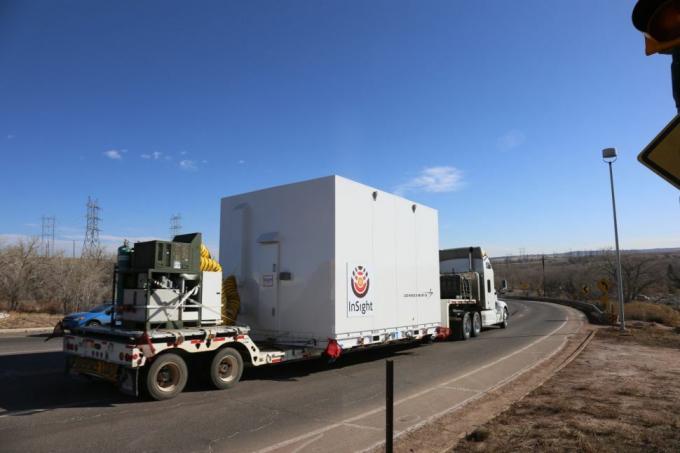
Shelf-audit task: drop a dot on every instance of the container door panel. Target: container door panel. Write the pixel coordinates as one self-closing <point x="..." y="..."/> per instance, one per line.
<point x="266" y="274"/>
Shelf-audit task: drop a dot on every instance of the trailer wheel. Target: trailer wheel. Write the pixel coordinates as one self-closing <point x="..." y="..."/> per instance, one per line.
<point x="504" y="323"/>
<point x="166" y="377"/>
<point x="226" y="368"/>
<point x="465" y="327"/>
<point x="476" y="324"/>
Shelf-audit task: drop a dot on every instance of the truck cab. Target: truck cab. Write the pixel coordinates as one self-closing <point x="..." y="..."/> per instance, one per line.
<point x="468" y="296"/>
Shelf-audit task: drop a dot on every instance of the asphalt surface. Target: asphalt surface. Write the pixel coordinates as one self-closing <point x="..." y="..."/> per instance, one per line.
<point x="305" y="406"/>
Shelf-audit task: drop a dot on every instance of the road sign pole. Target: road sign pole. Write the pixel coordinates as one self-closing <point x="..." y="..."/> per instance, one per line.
<point x="618" y="252"/>
<point x="389" y="405"/>
<point x="675" y="77"/>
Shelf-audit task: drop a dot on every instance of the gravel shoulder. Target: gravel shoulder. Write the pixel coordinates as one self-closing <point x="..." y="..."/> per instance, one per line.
<point x="621" y="394"/>
<point x="20" y="320"/>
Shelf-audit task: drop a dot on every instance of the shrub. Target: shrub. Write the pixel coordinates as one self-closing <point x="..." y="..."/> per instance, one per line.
<point x="646" y="311"/>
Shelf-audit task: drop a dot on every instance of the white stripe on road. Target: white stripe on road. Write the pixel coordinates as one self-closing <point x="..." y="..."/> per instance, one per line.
<point x="319" y="431"/>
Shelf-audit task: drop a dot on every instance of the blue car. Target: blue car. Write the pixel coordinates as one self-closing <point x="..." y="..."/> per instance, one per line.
<point x="98" y="316"/>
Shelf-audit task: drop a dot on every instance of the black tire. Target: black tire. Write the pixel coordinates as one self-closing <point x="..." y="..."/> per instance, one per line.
<point x="504" y="323"/>
<point x="93" y="323"/>
<point x="226" y="368"/>
<point x="476" y="324"/>
<point x="465" y="327"/>
<point x="166" y="377"/>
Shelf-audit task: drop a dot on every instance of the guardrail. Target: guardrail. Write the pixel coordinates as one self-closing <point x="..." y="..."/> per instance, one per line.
<point x="594" y="314"/>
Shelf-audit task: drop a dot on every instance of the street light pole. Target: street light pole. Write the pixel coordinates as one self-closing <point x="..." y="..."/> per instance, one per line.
<point x="609" y="156"/>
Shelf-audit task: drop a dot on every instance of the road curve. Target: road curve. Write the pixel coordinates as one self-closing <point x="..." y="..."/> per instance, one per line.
<point x="306" y="406"/>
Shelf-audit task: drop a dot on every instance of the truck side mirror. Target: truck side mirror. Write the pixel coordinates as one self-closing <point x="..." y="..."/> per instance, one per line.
<point x="504" y="285"/>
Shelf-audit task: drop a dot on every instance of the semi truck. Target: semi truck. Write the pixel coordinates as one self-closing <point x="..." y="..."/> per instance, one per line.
<point x="313" y="269"/>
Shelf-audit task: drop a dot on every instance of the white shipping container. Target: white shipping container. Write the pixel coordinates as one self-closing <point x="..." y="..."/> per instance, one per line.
<point x="331" y="258"/>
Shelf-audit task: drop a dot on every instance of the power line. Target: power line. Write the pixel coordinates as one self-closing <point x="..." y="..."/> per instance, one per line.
<point x="91" y="245"/>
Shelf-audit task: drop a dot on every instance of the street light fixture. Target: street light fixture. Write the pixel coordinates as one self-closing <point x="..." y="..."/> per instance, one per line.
<point x="609" y="156"/>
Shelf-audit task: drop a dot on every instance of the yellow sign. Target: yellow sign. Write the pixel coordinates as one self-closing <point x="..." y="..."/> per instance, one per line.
<point x="662" y="155"/>
<point x="603" y="284"/>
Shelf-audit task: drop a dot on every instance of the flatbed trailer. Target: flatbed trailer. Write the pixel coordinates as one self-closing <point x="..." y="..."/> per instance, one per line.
<point x="158" y="362"/>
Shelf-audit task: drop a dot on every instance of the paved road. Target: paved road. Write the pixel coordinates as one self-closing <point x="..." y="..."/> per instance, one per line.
<point x="307" y="406"/>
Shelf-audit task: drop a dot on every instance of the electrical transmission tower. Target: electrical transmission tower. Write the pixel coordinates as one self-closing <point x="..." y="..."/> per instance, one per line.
<point x="91" y="244"/>
<point x="47" y="235"/>
<point x="175" y="225"/>
<point x="522" y="254"/>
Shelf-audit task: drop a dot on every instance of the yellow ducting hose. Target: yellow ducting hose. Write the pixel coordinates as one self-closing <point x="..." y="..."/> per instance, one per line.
<point x="231" y="301"/>
<point x="207" y="262"/>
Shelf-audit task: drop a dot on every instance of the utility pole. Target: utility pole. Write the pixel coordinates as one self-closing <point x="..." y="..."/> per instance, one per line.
<point x="609" y="156"/>
<point x="543" y="264"/>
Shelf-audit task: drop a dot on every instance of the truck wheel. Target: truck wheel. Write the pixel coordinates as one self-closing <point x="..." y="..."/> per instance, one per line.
<point x="465" y="327"/>
<point x="504" y="323"/>
<point x="166" y="377"/>
<point x="226" y="368"/>
<point x="93" y="323"/>
<point x="476" y="324"/>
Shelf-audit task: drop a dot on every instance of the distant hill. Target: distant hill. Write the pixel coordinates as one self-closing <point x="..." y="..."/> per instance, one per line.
<point x="583" y="253"/>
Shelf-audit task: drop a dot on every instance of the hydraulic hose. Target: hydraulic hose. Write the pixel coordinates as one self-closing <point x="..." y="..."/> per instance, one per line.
<point x="231" y="301"/>
<point x="207" y="262"/>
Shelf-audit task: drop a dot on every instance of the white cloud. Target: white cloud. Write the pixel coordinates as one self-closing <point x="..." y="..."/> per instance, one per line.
<point x="10" y="136"/>
<point x="510" y="140"/>
<point x="113" y="154"/>
<point x="182" y="153"/>
<point x="433" y="179"/>
<point x="154" y="155"/>
<point x="187" y="164"/>
<point x="241" y="161"/>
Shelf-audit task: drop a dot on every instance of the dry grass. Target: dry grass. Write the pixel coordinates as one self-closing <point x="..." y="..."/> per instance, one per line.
<point x="645" y="311"/>
<point x="619" y="395"/>
<point x="20" y="320"/>
<point x="647" y="334"/>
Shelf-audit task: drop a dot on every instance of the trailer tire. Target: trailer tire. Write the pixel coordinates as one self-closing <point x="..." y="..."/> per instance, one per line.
<point x="465" y="327"/>
<point x="504" y="323"/>
<point x="476" y="324"/>
<point x="167" y="376"/>
<point x="226" y="368"/>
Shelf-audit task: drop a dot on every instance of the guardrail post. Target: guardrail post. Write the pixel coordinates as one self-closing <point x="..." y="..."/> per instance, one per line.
<point x="389" y="405"/>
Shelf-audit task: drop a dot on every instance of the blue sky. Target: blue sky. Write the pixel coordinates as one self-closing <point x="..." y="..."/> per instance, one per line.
<point x="493" y="112"/>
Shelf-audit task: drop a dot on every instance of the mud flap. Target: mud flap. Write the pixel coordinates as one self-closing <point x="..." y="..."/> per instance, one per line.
<point x="128" y="381"/>
<point x="57" y="332"/>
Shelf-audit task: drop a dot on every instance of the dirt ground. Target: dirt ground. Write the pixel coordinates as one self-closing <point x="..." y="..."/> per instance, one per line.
<point x="622" y="393"/>
<point x="18" y="320"/>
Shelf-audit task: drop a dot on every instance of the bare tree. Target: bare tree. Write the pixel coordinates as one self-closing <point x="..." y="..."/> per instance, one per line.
<point x="18" y="265"/>
<point x="56" y="283"/>
<point x="637" y="273"/>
